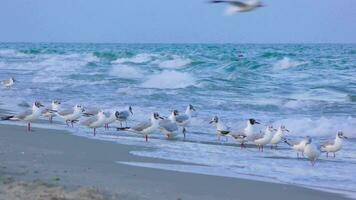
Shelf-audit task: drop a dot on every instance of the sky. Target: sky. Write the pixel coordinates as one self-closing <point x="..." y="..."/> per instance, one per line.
<point x="176" y="21"/>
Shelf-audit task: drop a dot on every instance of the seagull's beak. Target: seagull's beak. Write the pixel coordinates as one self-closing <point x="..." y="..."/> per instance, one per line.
<point x="286" y="130"/>
<point x="41" y="105"/>
<point x="345" y="137"/>
<point x="211" y="122"/>
<point x="256" y="122"/>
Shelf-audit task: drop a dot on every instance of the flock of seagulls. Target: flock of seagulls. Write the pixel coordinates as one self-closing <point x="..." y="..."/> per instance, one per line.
<point x="273" y="137"/>
<point x="175" y="124"/>
<point x="171" y="126"/>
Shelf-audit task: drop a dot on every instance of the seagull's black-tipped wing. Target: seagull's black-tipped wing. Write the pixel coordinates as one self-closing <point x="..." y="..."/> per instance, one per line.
<point x="235" y="3"/>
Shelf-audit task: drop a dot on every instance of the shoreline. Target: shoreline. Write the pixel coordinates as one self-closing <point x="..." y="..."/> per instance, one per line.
<point x="79" y="161"/>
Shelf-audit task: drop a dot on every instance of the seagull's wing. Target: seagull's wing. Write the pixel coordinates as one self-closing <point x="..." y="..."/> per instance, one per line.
<point x="92" y="111"/>
<point x="327" y="143"/>
<point x="182" y="118"/>
<point x="24" y="114"/>
<point x="256" y="137"/>
<point x="66" y="112"/>
<point x="234" y="3"/>
<point x="294" y="142"/>
<point x="89" y="121"/>
<point x="123" y="115"/>
<point x="141" y="126"/>
<point x="168" y="125"/>
<point x="47" y="110"/>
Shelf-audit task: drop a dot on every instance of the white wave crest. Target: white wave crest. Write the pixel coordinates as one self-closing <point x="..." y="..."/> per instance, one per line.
<point x="138" y="59"/>
<point x="169" y="80"/>
<point x="320" y="127"/>
<point x="127" y="72"/>
<point x="11" y="53"/>
<point x="287" y="63"/>
<point x="176" y="62"/>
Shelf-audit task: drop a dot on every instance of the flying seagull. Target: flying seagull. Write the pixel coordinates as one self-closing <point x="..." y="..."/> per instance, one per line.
<point x="239" y="6"/>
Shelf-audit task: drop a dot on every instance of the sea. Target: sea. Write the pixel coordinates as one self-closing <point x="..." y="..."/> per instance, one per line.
<point x="309" y="88"/>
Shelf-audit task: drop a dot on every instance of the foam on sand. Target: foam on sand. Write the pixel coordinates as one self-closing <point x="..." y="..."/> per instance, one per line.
<point x="169" y="80"/>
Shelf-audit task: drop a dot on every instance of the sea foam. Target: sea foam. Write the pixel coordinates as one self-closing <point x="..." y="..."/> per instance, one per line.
<point x="126" y="72"/>
<point x="287" y="63"/>
<point x="176" y="62"/>
<point x="169" y="80"/>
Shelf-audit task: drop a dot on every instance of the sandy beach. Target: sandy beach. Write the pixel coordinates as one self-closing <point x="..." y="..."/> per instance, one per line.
<point x="60" y="164"/>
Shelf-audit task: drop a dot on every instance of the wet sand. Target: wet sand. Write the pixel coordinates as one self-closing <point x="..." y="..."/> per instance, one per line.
<point x="58" y="163"/>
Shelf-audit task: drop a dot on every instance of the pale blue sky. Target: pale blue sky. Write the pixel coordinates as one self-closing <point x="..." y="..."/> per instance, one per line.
<point x="176" y="21"/>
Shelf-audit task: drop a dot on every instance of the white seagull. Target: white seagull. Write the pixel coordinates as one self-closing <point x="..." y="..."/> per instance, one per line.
<point x="311" y="151"/>
<point x="123" y="116"/>
<point x="298" y="146"/>
<point x="265" y="138"/>
<point x="250" y="131"/>
<point x="96" y="121"/>
<point x="183" y="120"/>
<point x="169" y="126"/>
<point x="278" y="136"/>
<point x="110" y="117"/>
<point x="145" y="128"/>
<point x="335" y="145"/>
<point x="239" y="6"/>
<point x="28" y="116"/>
<point x="71" y="115"/>
<point x="51" y="110"/>
<point x="8" y="83"/>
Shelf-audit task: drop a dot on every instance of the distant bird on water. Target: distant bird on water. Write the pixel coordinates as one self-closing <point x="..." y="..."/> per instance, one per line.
<point x="8" y="83"/>
<point x="239" y="6"/>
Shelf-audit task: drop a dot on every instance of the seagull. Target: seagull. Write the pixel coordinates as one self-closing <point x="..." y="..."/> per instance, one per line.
<point x="96" y="121"/>
<point x="50" y="111"/>
<point x="8" y="83"/>
<point x="71" y="115"/>
<point x="28" y="116"/>
<point x="239" y="6"/>
<point x="265" y="138"/>
<point x="123" y="116"/>
<point x="311" y="151"/>
<point x="221" y="128"/>
<point x="183" y="120"/>
<point x="298" y="146"/>
<point x="335" y="145"/>
<point x="169" y="126"/>
<point x="277" y="137"/>
<point x="249" y="131"/>
<point x="110" y="117"/>
<point x="145" y="128"/>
